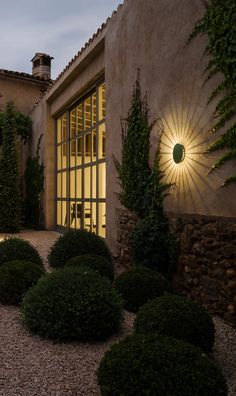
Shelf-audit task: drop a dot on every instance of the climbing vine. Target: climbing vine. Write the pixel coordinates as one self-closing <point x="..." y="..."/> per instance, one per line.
<point x="23" y="122"/>
<point x="142" y="186"/>
<point x="219" y="23"/>
<point x="143" y="190"/>
<point x="34" y="186"/>
<point x="13" y="125"/>
<point x="10" y="200"/>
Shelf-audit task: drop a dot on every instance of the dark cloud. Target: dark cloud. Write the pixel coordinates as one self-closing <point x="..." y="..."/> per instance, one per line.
<point x="59" y="28"/>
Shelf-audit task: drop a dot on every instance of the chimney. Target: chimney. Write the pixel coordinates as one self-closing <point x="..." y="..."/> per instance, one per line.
<point x="41" y="65"/>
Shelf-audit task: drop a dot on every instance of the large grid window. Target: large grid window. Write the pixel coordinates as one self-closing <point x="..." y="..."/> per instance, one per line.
<point x="81" y="165"/>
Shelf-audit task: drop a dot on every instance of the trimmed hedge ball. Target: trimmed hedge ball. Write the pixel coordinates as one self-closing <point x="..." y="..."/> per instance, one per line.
<point x="139" y="286"/>
<point x="156" y="365"/>
<point x="97" y="263"/>
<point x="16" y="277"/>
<point x="76" y="243"/>
<point x="18" y="249"/>
<point x="73" y="304"/>
<point x="179" y="317"/>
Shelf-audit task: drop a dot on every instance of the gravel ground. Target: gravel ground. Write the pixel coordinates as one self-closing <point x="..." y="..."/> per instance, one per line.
<point x="31" y="366"/>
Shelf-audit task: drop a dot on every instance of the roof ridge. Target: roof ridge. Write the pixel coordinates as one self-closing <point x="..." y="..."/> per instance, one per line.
<point x="23" y="74"/>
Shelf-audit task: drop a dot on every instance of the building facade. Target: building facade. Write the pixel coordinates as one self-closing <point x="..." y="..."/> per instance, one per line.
<point x="80" y="113"/>
<point x="80" y="117"/>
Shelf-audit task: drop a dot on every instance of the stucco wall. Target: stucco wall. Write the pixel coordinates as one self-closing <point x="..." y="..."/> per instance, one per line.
<point x="152" y="35"/>
<point x="24" y="93"/>
<point x="43" y="124"/>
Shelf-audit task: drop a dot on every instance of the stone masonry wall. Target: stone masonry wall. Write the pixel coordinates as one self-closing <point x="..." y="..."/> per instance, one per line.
<point x="207" y="263"/>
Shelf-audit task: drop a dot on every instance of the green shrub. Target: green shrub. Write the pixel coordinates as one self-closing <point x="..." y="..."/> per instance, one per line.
<point x="97" y="263"/>
<point x="153" y="246"/>
<point x="156" y="365"/>
<point x="16" y="277"/>
<point x="72" y="304"/>
<point x="76" y="243"/>
<point x="18" y="249"/>
<point x="139" y="286"/>
<point x="179" y="317"/>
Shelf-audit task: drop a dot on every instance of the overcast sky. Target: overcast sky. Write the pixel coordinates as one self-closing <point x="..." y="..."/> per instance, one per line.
<point x="57" y="27"/>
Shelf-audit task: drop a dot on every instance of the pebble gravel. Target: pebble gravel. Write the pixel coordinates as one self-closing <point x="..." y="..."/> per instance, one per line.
<point x="31" y="366"/>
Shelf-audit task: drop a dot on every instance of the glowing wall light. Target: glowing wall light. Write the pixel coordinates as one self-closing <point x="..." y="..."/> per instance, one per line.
<point x="178" y="153"/>
<point x="183" y="128"/>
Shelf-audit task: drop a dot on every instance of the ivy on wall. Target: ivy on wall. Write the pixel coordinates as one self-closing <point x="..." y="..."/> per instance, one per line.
<point x="10" y="201"/>
<point x="219" y="23"/>
<point x="143" y="190"/>
<point x="34" y="186"/>
<point x="141" y="185"/>
<point x="23" y="122"/>
<point x="13" y="125"/>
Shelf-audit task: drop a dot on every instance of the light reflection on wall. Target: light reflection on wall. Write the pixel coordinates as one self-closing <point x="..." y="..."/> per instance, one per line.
<point x="186" y="124"/>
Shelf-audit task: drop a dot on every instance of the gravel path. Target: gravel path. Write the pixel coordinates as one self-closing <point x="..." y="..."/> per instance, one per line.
<point x="31" y="366"/>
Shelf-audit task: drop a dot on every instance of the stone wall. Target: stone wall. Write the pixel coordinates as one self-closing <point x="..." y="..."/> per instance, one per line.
<point x="207" y="263"/>
<point x="125" y="225"/>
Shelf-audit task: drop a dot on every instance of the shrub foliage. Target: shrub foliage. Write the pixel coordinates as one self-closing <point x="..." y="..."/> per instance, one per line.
<point x="16" y="277"/>
<point x="179" y="317"/>
<point x="153" y="246"/>
<point x="18" y="249"/>
<point x="97" y="263"/>
<point x="157" y="365"/>
<point x="139" y="286"/>
<point x="72" y="304"/>
<point x="76" y="243"/>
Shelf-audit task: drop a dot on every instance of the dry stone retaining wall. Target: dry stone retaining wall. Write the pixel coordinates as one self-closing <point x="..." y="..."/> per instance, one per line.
<point x="207" y="263"/>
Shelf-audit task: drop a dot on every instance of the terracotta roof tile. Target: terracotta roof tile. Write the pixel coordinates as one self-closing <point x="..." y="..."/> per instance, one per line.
<point x="11" y="73"/>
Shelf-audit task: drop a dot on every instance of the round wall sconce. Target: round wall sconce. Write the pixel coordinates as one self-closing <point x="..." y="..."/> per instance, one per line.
<point x="178" y="153"/>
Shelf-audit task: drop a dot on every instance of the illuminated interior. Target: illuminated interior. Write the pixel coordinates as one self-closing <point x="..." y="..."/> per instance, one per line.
<point x="81" y="165"/>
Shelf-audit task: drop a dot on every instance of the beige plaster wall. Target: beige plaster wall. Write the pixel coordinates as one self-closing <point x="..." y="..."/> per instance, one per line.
<point x="152" y="35"/>
<point x="44" y="124"/>
<point x="24" y="93"/>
